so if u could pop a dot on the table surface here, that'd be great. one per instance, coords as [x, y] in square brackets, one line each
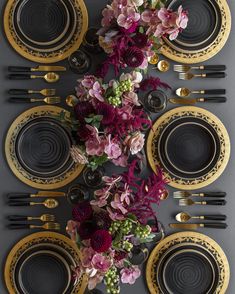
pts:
[166, 211]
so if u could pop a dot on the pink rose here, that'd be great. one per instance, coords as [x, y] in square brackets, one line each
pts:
[135, 142]
[129, 275]
[101, 262]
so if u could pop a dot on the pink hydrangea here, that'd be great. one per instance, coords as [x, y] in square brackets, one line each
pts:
[95, 147]
[130, 274]
[88, 81]
[112, 148]
[130, 98]
[87, 255]
[121, 161]
[101, 262]
[117, 204]
[128, 17]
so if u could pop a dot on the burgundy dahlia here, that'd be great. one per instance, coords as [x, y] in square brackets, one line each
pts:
[133, 57]
[107, 111]
[86, 230]
[83, 109]
[120, 255]
[140, 40]
[82, 211]
[83, 133]
[102, 220]
[101, 241]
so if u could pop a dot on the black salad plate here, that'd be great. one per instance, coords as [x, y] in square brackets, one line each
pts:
[44, 262]
[187, 268]
[43, 148]
[44, 25]
[203, 26]
[188, 147]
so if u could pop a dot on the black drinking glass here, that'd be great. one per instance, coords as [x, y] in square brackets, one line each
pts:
[155, 101]
[93, 178]
[91, 41]
[79, 62]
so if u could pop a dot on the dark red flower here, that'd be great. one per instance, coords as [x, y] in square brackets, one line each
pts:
[83, 109]
[102, 220]
[101, 241]
[131, 30]
[86, 230]
[82, 211]
[83, 133]
[140, 40]
[133, 56]
[107, 111]
[120, 255]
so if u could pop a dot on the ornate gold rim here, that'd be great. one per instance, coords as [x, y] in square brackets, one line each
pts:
[212, 50]
[215, 123]
[20, 173]
[38, 56]
[193, 237]
[39, 237]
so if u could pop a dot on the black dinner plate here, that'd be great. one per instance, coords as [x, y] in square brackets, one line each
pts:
[203, 26]
[43, 148]
[188, 147]
[44, 262]
[187, 268]
[46, 24]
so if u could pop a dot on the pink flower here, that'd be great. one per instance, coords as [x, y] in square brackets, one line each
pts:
[118, 204]
[128, 17]
[167, 17]
[121, 161]
[150, 17]
[115, 215]
[94, 280]
[87, 255]
[135, 77]
[101, 262]
[135, 142]
[88, 81]
[112, 149]
[182, 20]
[137, 3]
[78, 155]
[108, 16]
[97, 91]
[71, 229]
[129, 275]
[131, 29]
[125, 112]
[144, 64]
[95, 147]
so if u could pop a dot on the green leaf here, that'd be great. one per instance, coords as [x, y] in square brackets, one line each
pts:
[88, 119]
[98, 117]
[141, 30]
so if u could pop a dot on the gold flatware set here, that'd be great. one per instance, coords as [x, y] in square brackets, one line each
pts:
[186, 68]
[189, 75]
[185, 92]
[189, 202]
[50, 77]
[186, 194]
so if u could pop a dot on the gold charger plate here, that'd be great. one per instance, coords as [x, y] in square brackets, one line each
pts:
[43, 56]
[188, 237]
[52, 238]
[168, 50]
[34, 181]
[185, 111]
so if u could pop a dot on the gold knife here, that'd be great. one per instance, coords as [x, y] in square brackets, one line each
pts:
[197, 226]
[37, 68]
[38, 194]
[195, 100]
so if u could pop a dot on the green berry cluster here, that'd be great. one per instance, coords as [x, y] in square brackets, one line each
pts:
[124, 226]
[114, 227]
[114, 100]
[142, 232]
[111, 281]
[125, 86]
[126, 245]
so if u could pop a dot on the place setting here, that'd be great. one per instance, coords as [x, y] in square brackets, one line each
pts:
[107, 151]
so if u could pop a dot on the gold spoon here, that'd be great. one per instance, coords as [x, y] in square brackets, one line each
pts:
[183, 217]
[71, 100]
[49, 203]
[50, 77]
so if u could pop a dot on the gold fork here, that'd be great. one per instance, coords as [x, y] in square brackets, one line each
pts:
[46, 226]
[186, 202]
[47, 100]
[44, 92]
[185, 68]
[189, 75]
[43, 218]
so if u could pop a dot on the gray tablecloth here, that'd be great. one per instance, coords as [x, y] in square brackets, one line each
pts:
[226, 112]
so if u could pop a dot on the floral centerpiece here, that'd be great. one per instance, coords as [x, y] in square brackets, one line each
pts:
[109, 226]
[132, 30]
[109, 120]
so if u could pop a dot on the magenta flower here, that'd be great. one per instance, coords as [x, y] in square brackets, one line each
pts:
[130, 274]
[101, 262]
[112, 149]
[97, 92]
[133, 56]
[128, 17]
[107, 111]
[131, 29]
